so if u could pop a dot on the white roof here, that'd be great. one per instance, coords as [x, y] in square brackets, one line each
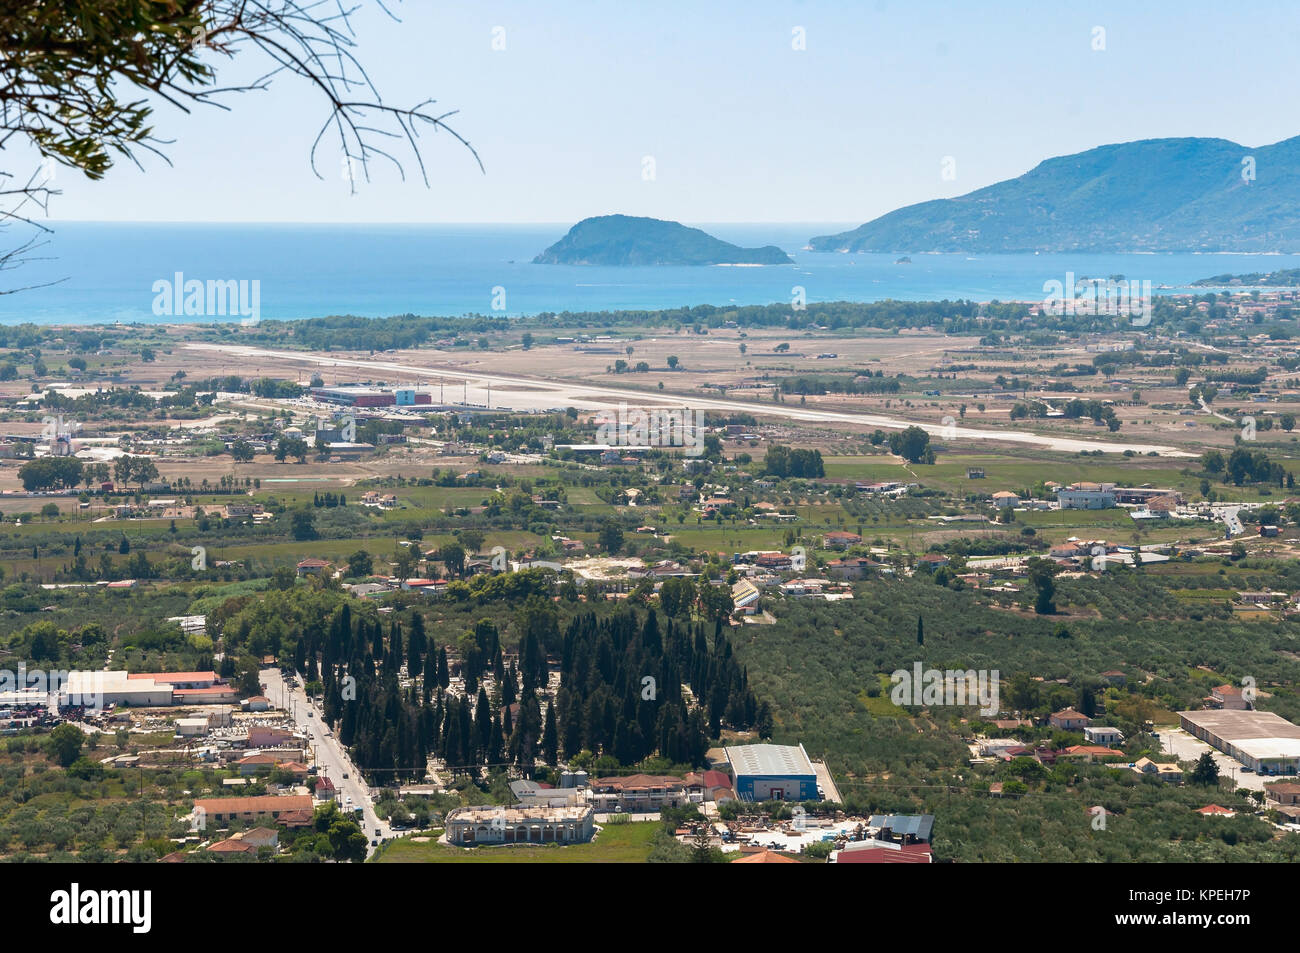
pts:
[770, 759]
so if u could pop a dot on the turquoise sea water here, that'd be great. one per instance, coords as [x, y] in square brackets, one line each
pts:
[106, 272]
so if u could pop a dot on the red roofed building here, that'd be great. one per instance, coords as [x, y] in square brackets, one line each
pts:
[313, 567]
[1215, 810]
[841, 540]
[1067, 719]
[180, 679]
[638, 792]
[875, 854]
[1092, 752]
[1228, 697]
[765, 857]
[220, 811]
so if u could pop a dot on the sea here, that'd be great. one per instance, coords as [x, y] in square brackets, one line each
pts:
[92, 273]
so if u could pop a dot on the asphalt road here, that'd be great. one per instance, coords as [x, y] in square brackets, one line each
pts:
[331, 757]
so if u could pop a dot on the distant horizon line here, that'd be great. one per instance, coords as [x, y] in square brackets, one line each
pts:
[146, 221]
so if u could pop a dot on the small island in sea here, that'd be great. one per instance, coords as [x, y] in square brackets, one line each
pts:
[630, 240]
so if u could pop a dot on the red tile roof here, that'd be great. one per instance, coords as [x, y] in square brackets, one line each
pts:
[766, 857]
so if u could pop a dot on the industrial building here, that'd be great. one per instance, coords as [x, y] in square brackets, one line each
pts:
[143, 689]
[468, 826]
[1262, 741]
[102, 689]
[372, 396]
[772, 773]
[1087, 496]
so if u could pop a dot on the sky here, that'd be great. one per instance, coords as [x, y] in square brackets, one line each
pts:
[750, 112]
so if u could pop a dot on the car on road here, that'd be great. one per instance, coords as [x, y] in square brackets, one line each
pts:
[378, 832]
[345, 775]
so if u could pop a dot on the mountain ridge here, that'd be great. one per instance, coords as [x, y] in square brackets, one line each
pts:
[1158, 195]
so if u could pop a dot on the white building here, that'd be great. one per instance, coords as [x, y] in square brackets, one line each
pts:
[468, 826]
[101, 689]
[1098, 735]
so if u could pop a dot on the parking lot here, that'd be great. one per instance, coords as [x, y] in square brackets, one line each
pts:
[1178, 742]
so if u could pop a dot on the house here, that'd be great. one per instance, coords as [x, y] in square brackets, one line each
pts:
[850, 567]
[313, 567]
[1215, 810]
[1067, 719]
[1098, 735]
[261, 837]
[1268, 531]
[262, 736]
[803, 587]
[840, 540]
[255, 703]
[1165, 772]
[932, 560]
[711, 785]
[324, 790]
[1005, 498]
[1091, 752]
[1287, 792]
[994, 747]
[776, 561]
[1114, 677]
[1227, 697]
[220, 811]
[974, 473]
[232, 846]
[255, 763]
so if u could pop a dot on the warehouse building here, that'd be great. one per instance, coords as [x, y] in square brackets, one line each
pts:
[1262, 741]
[772, 773]
[97, 690]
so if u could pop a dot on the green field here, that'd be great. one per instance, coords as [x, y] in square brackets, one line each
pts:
[629, 843]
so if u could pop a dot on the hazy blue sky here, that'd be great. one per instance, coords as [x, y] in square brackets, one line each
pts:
[742, 126]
